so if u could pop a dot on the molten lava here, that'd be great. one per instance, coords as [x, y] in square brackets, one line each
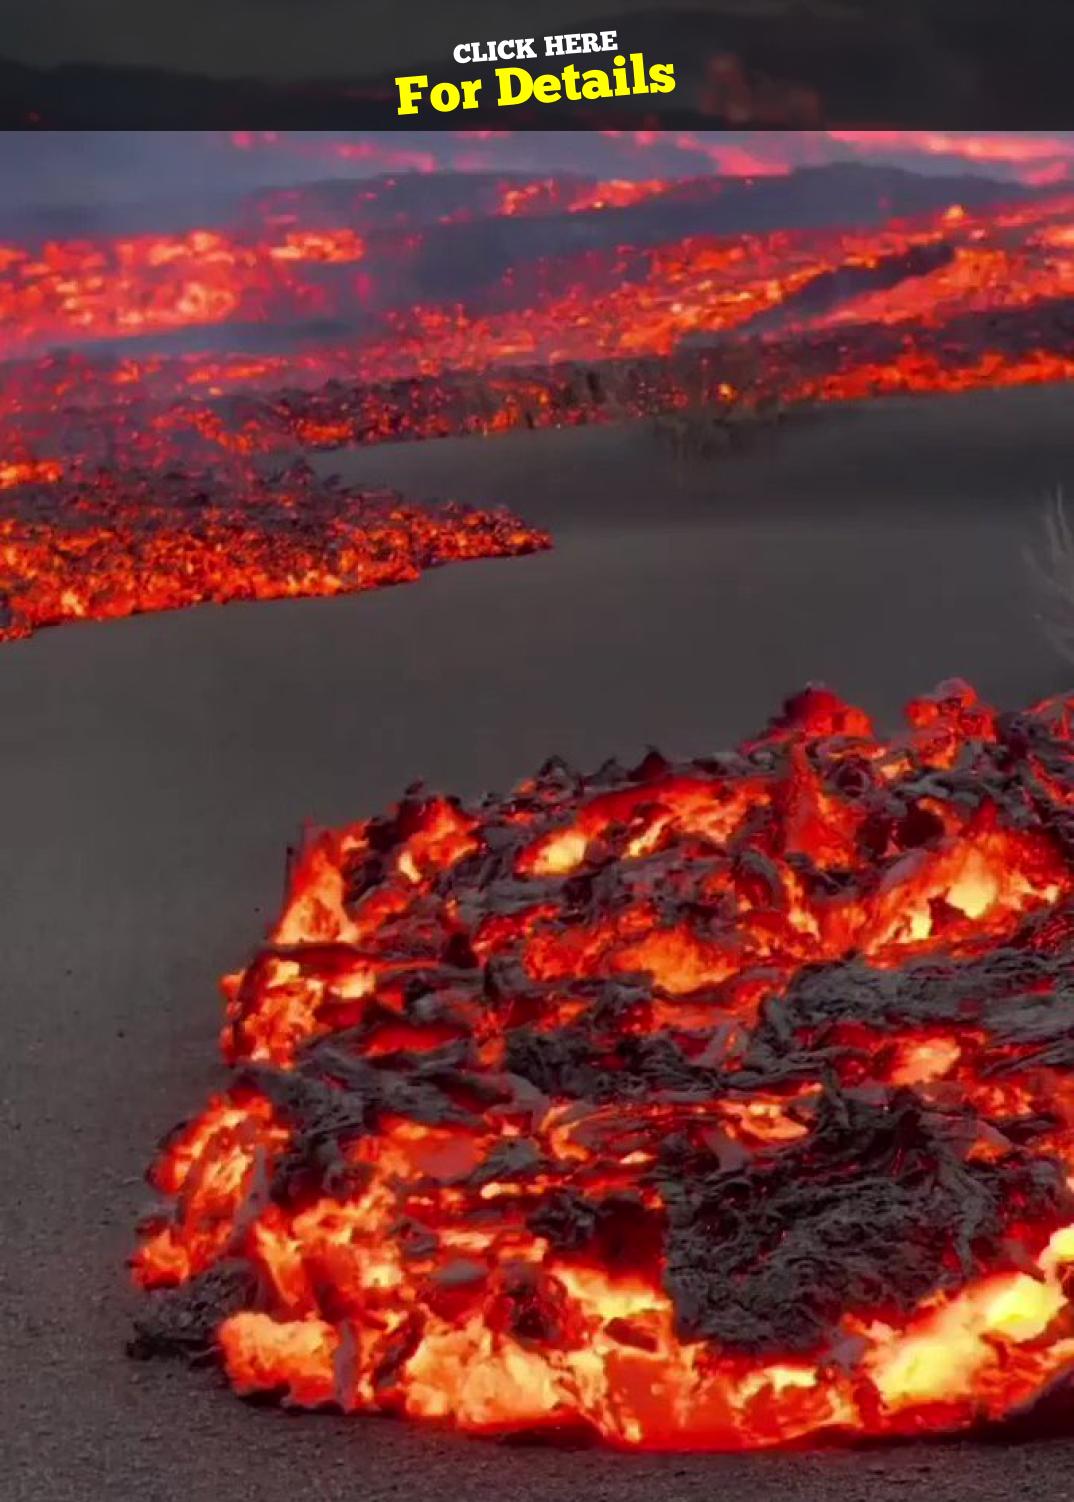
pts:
[945, 301]
[321, 330]
[1026, 156]
[154, 283]
[110, 543]
[711, 1104]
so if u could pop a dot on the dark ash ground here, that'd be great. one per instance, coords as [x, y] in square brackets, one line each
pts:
[152, 771]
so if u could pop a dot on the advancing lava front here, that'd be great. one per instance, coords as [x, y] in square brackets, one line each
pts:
[715, 1104]
[114, 544]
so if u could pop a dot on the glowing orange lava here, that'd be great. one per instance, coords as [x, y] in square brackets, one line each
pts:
[715, 1104]
[918, 282]
[118, 543]
[152, 283]
[320, 341]
[1027, 156]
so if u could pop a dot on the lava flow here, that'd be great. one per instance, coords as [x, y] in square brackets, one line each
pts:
[156, 283]
[117, 543]
[943, 301]
[714, 1104]
[341, 314]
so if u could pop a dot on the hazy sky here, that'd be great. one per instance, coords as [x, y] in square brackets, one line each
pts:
[110, 168]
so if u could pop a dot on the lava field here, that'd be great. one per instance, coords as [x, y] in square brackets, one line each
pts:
[711, 1104]
[160, 386]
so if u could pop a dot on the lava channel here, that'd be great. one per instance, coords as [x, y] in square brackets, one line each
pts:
[715, 1104]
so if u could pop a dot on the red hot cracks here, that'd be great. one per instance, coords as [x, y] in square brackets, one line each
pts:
[520, 84]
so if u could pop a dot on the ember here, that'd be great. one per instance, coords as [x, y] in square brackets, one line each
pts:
[711, 1104]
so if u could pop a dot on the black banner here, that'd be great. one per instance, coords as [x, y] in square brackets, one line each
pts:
[327, 64]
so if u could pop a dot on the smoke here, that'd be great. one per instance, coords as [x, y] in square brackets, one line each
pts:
[101, 172]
